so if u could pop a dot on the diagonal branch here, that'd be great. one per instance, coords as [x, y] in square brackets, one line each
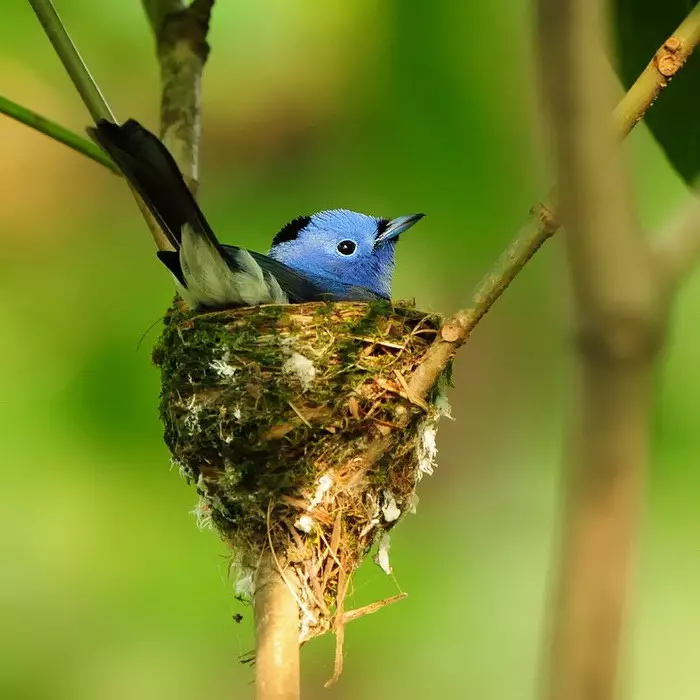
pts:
[667, 61]
[71, 59]
[87, 89]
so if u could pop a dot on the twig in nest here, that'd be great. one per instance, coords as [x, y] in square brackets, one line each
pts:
[339, 628]
[409, 394]
[351, 615]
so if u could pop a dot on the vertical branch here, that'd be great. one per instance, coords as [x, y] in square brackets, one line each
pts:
[181, 41]
[620, 325]
[277, 635]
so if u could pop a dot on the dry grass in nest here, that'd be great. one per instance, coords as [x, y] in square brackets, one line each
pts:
[296, 426]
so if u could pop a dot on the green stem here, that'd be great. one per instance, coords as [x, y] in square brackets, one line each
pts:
[71, 59]
[56, 132]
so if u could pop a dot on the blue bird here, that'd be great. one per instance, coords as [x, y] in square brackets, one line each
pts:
[335, 255]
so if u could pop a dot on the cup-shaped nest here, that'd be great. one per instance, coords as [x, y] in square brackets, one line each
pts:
[297, 426]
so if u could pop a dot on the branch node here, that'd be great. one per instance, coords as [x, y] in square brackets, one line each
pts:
[451, 332]
[669, 59]
[624, 340]
[549, 224]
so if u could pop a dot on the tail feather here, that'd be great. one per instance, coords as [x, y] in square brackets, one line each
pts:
[152, 171]
[208, 274]
[171, 260]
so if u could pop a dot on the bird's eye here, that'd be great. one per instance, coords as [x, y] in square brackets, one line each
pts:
[347, 247]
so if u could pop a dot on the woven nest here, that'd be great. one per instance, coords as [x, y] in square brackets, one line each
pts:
[296, 426]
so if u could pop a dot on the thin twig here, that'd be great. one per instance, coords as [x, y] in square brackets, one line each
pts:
[88, 91]
[351, 615]
[339, 628]
[666, 62]
[56, 132]
[456, 331]
[71, 59]
[543, 222]
[621, 315]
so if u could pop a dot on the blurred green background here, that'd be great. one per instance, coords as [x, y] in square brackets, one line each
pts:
[107, 588]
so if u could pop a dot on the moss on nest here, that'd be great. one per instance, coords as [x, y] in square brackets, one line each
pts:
[295, 424]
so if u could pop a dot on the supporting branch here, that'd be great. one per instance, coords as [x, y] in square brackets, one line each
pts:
[455, 332]
[56, 132]
[621, 322]
[277, 635]
[543, 223]
[181, 40]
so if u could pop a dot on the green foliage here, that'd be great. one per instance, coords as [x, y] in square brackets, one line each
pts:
[641, 28]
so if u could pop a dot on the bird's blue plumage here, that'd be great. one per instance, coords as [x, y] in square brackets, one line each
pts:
[335, 255]
[337, 248]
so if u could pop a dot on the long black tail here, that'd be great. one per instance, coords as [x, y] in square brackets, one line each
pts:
[154, 174]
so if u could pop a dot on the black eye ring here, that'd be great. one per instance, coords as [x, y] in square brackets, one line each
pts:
[347, 247]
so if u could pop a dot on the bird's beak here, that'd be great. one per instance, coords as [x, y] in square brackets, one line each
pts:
[397, 226]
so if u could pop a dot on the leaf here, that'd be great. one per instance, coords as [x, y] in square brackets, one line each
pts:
[641, 27]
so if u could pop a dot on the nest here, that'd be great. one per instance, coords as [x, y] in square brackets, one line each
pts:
[297, 427]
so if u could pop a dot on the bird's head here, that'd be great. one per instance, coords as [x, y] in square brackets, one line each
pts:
[343, 247]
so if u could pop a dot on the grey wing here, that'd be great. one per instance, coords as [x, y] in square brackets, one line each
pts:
[299, 288]
[215, 277]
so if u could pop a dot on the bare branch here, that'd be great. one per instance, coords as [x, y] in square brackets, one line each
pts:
[621, 316]
[276, 634]
[181, 40]
[457, 330]
[543, 223]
